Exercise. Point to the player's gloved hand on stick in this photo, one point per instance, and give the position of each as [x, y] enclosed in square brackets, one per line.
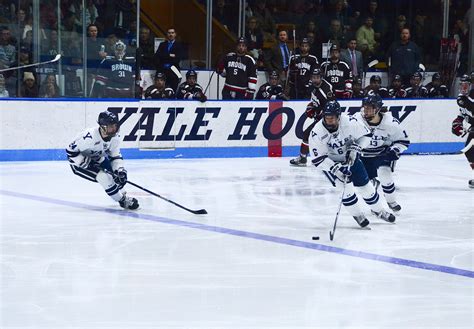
[310, 111]
[457, 128]
[120, 177]
[200, 97]
[352, 153]
[393, 154]
[340, 170]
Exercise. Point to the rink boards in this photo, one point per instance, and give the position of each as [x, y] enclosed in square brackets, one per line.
[41, 129]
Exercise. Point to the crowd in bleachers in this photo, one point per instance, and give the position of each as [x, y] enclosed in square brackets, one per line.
[364, 30]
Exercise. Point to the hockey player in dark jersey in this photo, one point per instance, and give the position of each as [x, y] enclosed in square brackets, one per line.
[357, 91]
[191, 89]
[301, 66]
[159, 90]
[416, 90]
[396, 90]
[322, 93]
[464, 122]
[116, 74]
[338, 74]
[375, 87]
[436, 89]
[240, 73]
[272, 89]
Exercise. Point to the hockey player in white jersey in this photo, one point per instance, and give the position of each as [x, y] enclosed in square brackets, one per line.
[388, 141]
[95, 154]
[335, 145]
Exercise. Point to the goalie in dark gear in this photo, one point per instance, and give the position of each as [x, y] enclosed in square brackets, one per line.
[463, 124]
[190, 89]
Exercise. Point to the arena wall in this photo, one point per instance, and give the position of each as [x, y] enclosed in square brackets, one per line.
[41, 129]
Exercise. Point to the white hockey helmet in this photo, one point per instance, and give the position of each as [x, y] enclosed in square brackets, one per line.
[119, 49]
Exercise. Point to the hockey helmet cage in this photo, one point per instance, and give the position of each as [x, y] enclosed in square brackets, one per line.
[160, 75]
[119, 49]
[191, 73]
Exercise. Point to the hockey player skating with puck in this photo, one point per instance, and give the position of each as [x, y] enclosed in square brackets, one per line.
[388, 141]
[464, 122]
[320, 95]
[335, 145]
[95, 154]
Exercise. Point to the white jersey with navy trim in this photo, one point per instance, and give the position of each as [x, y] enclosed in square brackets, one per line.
[90, 144]
[326, 147]
[386, 133]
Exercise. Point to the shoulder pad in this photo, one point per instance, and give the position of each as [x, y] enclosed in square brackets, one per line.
[230, 54]
[345, 64]
[253, 60]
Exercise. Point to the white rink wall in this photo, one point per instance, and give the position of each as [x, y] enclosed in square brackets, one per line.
[41, 129]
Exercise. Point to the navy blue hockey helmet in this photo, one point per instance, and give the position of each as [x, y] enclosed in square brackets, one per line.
[397, 77]
[436, 76]
[109, 123]
[304, 40]
[376, 78]
[371, 105]
[464, 84]
[317, 72]
[191, 73]
[417, 75]
[160, 75]
[331, 115]
[242, 40]
[273, 74]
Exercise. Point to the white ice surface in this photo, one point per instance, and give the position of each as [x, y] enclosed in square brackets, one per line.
[75, 259]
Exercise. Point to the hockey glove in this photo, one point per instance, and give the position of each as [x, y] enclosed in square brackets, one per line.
[120, 177]
[457, 128]
[340, 171]
[393, 154]
[352, 153]
[200, 97]
[310, 111]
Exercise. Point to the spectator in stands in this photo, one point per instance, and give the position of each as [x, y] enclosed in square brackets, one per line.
[29, 87]
[336, 33]
[254, 37]
[404, 57]
[21, 25]
[93, 47]
[315, 44]
[339, 12]
[278, 58]
[394, 33]
[226, 15]
[366, 38]
[265, 19]
[49, 88]
[380, 24]
[147, 49]
[7, 59]
[169, 54]
[3, 91]
[461, 31]
[436, 89]
[353, 57]
[7, 11]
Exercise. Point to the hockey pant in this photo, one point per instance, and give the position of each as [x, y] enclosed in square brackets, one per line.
[470, 153]
[94, 174]
[231, 94]
[378, 167]
[359, 180]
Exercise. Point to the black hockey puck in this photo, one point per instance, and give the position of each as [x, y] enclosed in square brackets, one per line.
[315, 238]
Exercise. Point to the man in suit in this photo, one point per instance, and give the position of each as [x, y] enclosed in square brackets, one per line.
[278, 58]
[169, 54]
[353, 57]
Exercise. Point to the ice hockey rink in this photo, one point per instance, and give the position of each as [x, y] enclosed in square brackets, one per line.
[72, 258]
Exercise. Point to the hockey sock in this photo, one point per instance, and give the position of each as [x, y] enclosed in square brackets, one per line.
[388, 186]
[371, 197]
[109, 185]
[350, 201]
[304, 149]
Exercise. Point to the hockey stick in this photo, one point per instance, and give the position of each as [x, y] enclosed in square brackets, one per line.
[55, 59]
[196, 212]
[369, 66]
[209, 83]
[468, 146]
[331, 233]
